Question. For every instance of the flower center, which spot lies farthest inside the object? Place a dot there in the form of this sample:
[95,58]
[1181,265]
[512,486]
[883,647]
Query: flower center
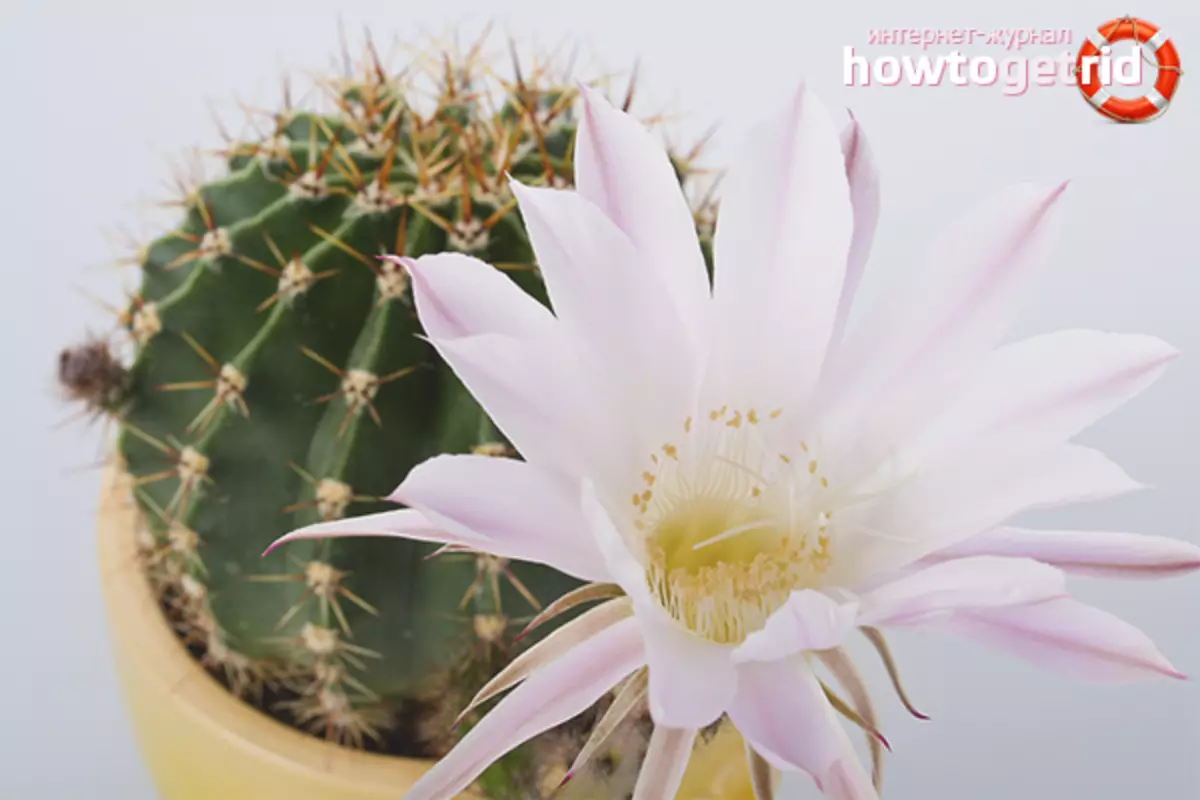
[731,525]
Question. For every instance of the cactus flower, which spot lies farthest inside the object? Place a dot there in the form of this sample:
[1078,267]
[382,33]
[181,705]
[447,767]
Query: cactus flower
[743,478]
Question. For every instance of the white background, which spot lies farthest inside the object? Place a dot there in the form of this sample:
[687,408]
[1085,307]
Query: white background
[96,93]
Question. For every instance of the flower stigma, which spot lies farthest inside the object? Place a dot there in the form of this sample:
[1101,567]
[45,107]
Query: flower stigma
[730,525]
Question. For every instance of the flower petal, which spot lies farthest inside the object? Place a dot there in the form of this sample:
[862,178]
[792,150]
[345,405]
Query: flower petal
[955,310]
[781,710]
[809,620]
[939,591]
[838,662]
[762,775]
[863,176]
[665,762]
[847,780]
[404,523]
[615,308]
[1045,389]
[630,698]
[1067,636]
[933,509]
[561,641]
[692,681]
[536,392]
[457,295]
[620,563]
[781,241]
[1099,554]
[588,593]
[879,642]
[625,172]
[508,350]
[529,513]
[552,695]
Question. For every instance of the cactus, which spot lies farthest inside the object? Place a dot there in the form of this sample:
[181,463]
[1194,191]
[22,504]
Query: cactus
[278,379]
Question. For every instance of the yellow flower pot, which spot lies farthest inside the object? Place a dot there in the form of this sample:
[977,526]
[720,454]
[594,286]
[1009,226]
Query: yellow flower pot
[202,743]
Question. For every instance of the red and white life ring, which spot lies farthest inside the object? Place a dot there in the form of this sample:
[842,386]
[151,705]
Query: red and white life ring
[1154,102]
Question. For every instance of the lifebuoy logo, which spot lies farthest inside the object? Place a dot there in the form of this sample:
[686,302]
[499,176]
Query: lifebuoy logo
[1094,60]
[1109,68]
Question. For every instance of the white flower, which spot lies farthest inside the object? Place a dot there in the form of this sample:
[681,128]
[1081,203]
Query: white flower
[757,480]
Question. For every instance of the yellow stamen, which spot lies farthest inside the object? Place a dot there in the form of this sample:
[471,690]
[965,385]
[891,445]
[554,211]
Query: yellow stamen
[727,533]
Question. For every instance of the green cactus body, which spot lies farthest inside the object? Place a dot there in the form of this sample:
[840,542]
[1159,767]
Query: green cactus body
[279,380]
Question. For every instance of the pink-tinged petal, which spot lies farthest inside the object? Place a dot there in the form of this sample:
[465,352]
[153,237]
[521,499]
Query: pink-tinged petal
[939,591]
[615,308]
[978,273]
[625,172]
[809,620]
[938,507]
[536,391]
[560,641]
[1094,553]
[619,561]
[509,351]
[529,513]
[1044,390]
[457,295]
[781,242]
[863,176]
[552,695]
[1069,637]
[692,680]
[665,763]
[762,775]
[781,710]
[847,780]
[405,523]
[839,663]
